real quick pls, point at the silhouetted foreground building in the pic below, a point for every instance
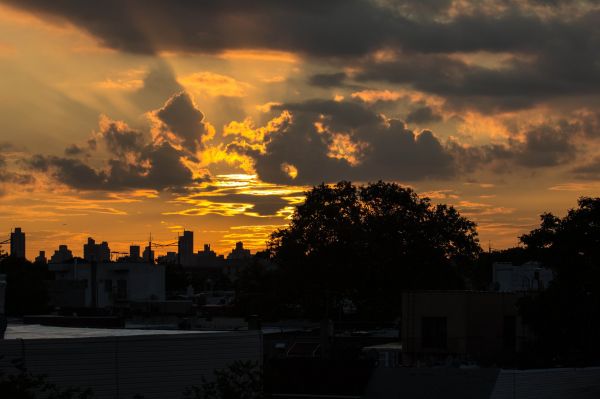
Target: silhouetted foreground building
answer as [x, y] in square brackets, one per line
[441, 327]
[121, 363]
[106, 284]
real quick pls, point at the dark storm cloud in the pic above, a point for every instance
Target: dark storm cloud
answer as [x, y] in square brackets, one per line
[557, 51]
[154, 168]
[423, 115]
[74, 150]
[121, 140]
[381, 148]
[184, 120]
[335, 27]
[548, 146]
[545, 145]
[263, 205]
[69, 171]
[588, 171]
[341, 115]
[309, 26]
[158, 84]
[134, 160]
[326, 80]
[7, 175]
[385, 149]
[566, 67]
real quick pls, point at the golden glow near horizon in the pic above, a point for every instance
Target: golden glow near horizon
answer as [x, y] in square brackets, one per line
[225, 141]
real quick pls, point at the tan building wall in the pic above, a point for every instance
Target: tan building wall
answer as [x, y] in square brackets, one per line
[459, 324]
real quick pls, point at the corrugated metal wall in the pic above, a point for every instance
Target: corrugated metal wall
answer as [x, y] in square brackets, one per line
[581, 383]
[155, 366]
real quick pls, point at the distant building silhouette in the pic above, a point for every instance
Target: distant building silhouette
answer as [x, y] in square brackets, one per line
[169, 259]
[96, 252]
[134, 253]
[61, 255]
[239, 252]
[17, 243]
[185, 248]
[148, 255]
[41, 258]
[530, 276]
[208, 258]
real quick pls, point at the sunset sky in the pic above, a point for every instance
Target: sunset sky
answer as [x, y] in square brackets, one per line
[123, 118]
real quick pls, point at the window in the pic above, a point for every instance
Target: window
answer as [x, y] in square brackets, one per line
[434, 332]
[122, 289]
[108, 286]
[509, 334]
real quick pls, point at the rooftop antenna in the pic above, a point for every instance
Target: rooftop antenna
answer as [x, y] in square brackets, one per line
[490, 247]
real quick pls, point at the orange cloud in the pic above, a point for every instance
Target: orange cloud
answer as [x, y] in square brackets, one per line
[343, 147]
[132, 79]
[259, 55]
[289, 169]
[247, 129]
[213, 84]
[371, 96]
[254, 237]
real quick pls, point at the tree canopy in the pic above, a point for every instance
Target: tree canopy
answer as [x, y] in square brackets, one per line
[365, 244]
[566, 317]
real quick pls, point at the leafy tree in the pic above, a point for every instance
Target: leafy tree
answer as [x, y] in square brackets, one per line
[368, 243]
[25, 385]
[240, 380]
[566, 317]
[258, 291]
[26, 291]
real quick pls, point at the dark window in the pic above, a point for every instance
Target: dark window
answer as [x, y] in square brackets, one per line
[434, 332]
[108, 286]
[509, 334]
[122, 289]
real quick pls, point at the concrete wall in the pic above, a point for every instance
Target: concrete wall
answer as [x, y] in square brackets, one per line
[155, 366]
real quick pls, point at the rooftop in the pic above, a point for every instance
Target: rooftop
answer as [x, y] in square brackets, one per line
[36, 331]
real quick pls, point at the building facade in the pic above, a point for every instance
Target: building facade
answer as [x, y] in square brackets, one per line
[531, 276]
[460, 325]
[108, 284]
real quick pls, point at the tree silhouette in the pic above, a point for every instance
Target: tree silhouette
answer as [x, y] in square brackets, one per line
[26, 292]
[365, 244]
[25, 385]
[566, 317]
[239, 380]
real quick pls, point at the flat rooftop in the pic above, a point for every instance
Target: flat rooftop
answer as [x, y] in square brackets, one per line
[36, 331]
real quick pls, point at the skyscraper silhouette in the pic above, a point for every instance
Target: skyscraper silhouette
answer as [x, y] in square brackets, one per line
[17, 243]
